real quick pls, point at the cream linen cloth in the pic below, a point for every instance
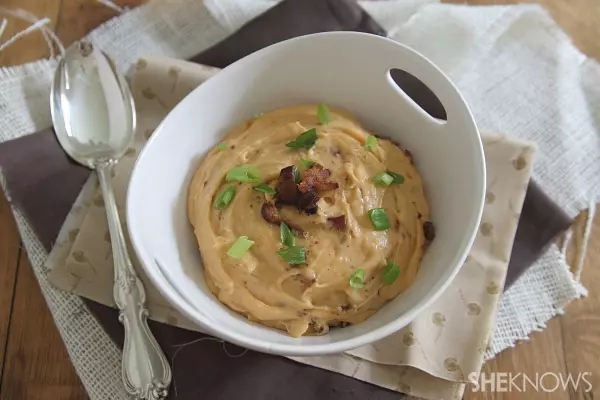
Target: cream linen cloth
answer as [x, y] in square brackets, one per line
[431, 357]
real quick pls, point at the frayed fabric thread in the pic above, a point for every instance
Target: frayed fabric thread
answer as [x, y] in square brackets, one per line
[580, 259]
[37, 25]
[202, 339]
[112, 5]
[3, 26]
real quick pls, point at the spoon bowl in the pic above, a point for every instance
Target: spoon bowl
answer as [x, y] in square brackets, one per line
[92, 108]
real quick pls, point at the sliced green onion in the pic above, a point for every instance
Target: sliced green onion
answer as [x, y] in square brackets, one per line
[397, 177]
[379, 219]
[383, 179]
[263, 187]
[306, 162]
[391, 273]
[371, 142]
[286, 235]
[244, 173]
[240, 247]
[323, 114]
[293, 255]
[223, 199]
[258, 115]
[296, 174]
[305, 140]
[222, 146]
[357, 279]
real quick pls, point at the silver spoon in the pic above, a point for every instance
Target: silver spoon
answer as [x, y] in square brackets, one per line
[94, 119]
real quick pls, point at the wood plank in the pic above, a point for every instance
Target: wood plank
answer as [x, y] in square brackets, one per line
[78, 17]
[543, 353]
[581, 322]
[579, 19]
[9, 258]
[37, 364]
[33, 46]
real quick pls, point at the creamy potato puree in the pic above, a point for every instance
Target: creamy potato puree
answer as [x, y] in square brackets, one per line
[307, 299]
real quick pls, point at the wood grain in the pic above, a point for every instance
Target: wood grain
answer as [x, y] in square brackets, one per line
[37, 366]
[30, 47]
[543, 353]
[9, 257]
[579, 18]
[581, 323]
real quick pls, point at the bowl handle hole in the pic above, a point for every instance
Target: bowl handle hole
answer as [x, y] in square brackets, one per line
[419, 93]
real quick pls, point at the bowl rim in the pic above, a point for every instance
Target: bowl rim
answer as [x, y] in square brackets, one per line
[161, 283]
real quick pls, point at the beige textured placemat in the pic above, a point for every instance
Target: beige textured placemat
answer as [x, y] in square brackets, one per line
[432, 357]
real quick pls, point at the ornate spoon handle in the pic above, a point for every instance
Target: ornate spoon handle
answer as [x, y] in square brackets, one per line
[146, 372]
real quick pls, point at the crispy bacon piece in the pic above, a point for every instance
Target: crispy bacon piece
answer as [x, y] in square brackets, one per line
[317, 177]
[288, 190]
[429, 231]
[270, 213]
[308, 201]
[338, 223]
[304, 195]
[409, 155]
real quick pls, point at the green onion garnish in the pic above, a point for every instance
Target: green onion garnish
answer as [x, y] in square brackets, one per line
[293, 255]
[286, 235]
[307, 163]
[357, 279]
[296, 174]
[225, 198]
[240, 247]
[371, 142]
[222, 146]
[397, 177]
[323, 114]
[258, 115]
[391, 273]
[383, 179]
[379, 219]
[305, 140]
[244, 173]
[263, 187]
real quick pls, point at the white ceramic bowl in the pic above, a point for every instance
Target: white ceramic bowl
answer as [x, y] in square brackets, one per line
[342, 69]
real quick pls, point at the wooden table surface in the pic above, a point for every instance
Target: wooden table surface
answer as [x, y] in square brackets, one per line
[33, 360]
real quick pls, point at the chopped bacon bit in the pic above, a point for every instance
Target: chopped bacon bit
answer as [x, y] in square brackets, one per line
[270, 213]
[345, 307]
[338, 223]
[304, 195]
[308, 200]
[409, 155]
[312, 210]
[288, 190]
[317, 177]
[429, 231]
